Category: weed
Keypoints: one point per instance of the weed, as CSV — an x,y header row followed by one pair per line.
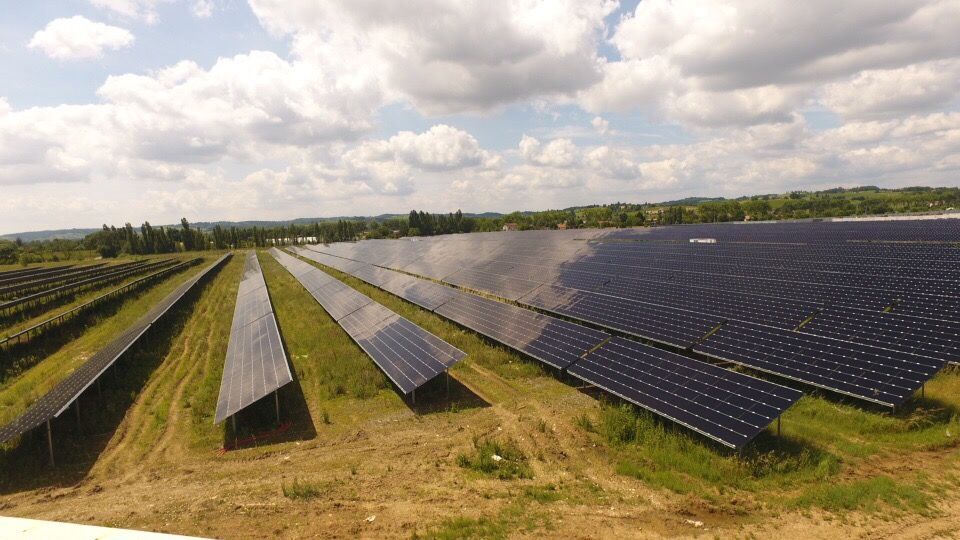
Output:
x,y
500,459
583,422
301,490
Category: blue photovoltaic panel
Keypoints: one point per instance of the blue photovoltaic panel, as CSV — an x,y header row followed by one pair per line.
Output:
x,y
553,341
726,406
407,354
870,373
52,404
659,323
256,364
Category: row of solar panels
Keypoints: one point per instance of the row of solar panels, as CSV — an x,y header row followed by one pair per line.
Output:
x,y
407,354
256,364
45,281
52,404
86,281
723,405
517,267
888,371
822,232
13,277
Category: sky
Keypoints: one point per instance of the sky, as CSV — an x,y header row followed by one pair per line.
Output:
x,y
115,111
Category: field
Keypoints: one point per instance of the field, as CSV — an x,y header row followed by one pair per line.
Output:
x,y
358,460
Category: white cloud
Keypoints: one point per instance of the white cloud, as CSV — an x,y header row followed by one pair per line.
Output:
x,y
202,9
79,38
742,62
602,125
449,57
144,10
556,153
892,92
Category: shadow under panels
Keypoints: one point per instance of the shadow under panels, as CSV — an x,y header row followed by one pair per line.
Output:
x,y
256,364
409,355
58,399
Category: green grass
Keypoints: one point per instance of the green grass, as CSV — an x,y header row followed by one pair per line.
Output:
x,y
329,364
301,490
18,393
501,459
820,439
518,517
870,495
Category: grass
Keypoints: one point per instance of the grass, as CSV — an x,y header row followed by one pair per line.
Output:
x,y
18,393
328,362
500,459
870,495
301,490
517,517
820,439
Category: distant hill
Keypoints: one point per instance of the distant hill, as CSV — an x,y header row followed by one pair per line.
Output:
x,y
76,234
65,234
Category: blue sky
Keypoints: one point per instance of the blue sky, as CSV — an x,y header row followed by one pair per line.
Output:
x,y
132,110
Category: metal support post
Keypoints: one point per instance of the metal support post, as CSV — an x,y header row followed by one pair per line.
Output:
x,y
50,444
276,400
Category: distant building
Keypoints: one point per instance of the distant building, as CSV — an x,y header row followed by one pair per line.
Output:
x,y
562,226
510,226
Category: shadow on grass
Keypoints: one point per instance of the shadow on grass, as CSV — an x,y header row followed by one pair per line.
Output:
x,y
259,423
444,394
80,437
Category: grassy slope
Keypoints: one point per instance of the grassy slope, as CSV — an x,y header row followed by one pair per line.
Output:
x,y
18,393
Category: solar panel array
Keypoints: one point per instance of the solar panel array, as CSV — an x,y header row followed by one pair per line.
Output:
x,y
256,364
866,298
409,355
107,275
52,404
728,407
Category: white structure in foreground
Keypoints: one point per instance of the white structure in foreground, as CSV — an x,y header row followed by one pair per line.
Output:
x,y
12,528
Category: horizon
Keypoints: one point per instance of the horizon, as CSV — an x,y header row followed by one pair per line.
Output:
x,y
145,110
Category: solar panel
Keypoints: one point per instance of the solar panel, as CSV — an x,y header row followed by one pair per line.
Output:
x,y
61,396
256,364
659,323
501,285
408,354
927,337
726,406
870,373
553,341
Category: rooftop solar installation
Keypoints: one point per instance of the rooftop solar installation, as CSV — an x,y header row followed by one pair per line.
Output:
x,y
256,364
729,407
52,404
409,355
